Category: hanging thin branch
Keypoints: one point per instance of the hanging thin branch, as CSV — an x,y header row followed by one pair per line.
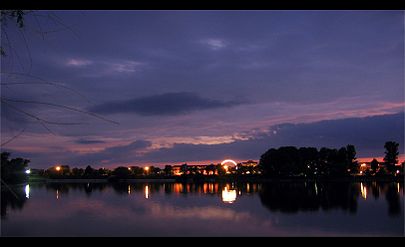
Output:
x,y
61,106
43,81
12,138
35,117
28,50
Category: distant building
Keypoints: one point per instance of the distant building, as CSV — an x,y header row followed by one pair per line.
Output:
x,y
249,163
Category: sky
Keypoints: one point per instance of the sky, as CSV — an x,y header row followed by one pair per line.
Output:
x,y
111,88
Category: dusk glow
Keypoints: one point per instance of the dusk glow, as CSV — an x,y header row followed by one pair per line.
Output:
x,y
168,123
219,84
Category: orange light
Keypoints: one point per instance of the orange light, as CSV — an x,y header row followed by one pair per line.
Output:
x,y
129,168
57,168
146,168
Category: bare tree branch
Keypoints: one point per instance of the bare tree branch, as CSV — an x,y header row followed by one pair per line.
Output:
x,y
43,81
28,50
12,138
35,117
60,106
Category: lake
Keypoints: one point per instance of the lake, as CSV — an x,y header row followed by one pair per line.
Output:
x,y
204,209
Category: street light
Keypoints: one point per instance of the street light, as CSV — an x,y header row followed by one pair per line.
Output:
x,y
57,168
28,171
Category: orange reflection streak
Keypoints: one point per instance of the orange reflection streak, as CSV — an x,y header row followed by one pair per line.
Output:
x,y
363,190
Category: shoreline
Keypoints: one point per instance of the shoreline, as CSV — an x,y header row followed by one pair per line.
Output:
x,y
217,179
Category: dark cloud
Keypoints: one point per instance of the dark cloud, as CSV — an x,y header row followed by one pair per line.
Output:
x,y
367,134
85,141
163,104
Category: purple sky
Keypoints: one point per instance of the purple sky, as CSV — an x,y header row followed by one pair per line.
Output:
x,y
201,86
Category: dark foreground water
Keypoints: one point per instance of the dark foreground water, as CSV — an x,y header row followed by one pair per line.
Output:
x,y
207,209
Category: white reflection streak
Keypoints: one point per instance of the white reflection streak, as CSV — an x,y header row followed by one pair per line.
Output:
x,y
398,187
27,191
129,189
57,194
147,192
316,189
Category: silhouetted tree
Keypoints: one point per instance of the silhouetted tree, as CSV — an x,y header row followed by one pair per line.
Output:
x,y
168,170
89,171
391,155
220,169
13,171
184,169
77,172
137,171
16,16
210,169
155,170
352,164
308,160
374,165
122,172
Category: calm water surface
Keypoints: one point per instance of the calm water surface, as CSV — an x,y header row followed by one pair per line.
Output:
x,y
206,209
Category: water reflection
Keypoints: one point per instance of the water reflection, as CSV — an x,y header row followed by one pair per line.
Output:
x,y
12,198
27,191
291,197
296,197
146,191
363,190
228,196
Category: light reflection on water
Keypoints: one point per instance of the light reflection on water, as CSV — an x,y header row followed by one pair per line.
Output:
x,y
228,196
205,209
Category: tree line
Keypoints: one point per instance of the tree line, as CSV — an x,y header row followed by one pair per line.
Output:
x,y
290,161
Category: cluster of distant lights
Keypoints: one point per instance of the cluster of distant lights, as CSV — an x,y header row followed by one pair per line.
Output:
x,y
228,195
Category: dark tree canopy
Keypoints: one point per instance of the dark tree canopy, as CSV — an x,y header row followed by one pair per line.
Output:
x,y
308,161
13,171
391,155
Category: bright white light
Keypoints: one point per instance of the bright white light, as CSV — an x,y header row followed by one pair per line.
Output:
x,y
28,171
228,196
27,191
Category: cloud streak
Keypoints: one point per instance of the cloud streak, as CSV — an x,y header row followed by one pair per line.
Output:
x,y
85,141
215,44
166,104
